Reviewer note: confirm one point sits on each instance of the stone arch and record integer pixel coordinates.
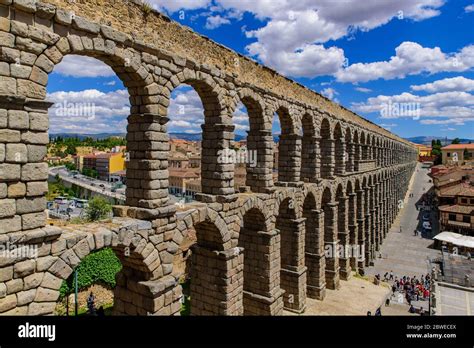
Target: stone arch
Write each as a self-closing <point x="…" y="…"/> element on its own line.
<point x="310" y="150"/>
<point x="259" y="141"/>
<point x="350" y="149"/>
<point x="339" y="150"/>
<point x="329" y="206"/>
<point x="363" y="145"/>
<point x="261" y="266"/>
<point x="326" y="146"/>
<point x="293" y="272"/>
<point x="314" y="247"/>
<point x="217" y="176"/>
<point x="289" y="147"/>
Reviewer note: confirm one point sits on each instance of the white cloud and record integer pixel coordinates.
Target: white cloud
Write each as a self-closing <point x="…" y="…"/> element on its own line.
<point x="176" y="5"/>
<point x="329" y="92"/>
<point x="452" y="105"/>
<point x="410" y="59"/>
<point x="110" y="83"/>
<point x="458" y="83"/>
<point x="363" y="89"/>
<point x="214" y="22"/>
<point x="89" y="111"/>
<point x="469" y="8"/>
<point x="82" y="66"/>
<point x="291" y="41"/>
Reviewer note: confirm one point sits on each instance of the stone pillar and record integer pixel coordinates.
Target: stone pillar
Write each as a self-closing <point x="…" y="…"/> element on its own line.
<point x="368" y="227"/>
<point x="23" y="173"/>
<point x="310" y="161"/>
<point x="361" y="228"/>
<point x="293" y="269"/>
<point x="147" y="166"/>
<point x="340" y="156"/>
<point x="289" y="158"/>
<point x="217" y="176"/>
<point x="217" y="281"/>
<point x="351" y="151"/>
<point x="262" y="292"/>
<point x="260" y="177"/>
<point x="343" y="236"/>
<point x="327" y="159"/>
<point x="314" y="256"/>
<point x="330" y="244"/>
<point x="154" y="297"/>
<point x="353" y="230"/>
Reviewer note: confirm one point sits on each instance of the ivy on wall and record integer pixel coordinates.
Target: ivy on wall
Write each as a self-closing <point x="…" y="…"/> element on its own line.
<point x="98" y="267"/>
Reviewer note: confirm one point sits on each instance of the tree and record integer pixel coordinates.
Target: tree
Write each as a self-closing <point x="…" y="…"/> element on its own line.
<point x="456" y="141"/>
<point x="99" y="208"/>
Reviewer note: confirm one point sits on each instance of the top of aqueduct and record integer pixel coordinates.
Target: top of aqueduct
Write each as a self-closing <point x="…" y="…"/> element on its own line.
<point x="151" y="29"/>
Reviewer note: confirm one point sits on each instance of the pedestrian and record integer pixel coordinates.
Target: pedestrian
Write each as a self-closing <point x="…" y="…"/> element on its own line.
<point x="378" y="312"/>
<point x="422" y="311"/>
<point x="391" y="275"/>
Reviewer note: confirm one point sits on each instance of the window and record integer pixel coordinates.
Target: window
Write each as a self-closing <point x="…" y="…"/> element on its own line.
<point x="464" y="200"/>
<point x="466" y="218"/>
<point x="448" y="154"/>
<point x="472" y="200"/>
<point x="452" y="217"/>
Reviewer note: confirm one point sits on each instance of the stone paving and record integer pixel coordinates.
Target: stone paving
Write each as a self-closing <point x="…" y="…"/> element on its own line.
<point x="454" y="301"/>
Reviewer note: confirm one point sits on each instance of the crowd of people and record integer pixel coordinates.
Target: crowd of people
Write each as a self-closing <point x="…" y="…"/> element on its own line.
<point x="413" y="289"/>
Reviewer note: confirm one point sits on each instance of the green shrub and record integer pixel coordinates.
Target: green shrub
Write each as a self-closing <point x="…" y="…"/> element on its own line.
<point x="98" y="267"/>
<point x="99" y="208"/>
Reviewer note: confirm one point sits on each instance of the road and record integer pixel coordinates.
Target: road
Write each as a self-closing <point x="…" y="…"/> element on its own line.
<point x="403" y="252"/>
<point x="90" y="184"/>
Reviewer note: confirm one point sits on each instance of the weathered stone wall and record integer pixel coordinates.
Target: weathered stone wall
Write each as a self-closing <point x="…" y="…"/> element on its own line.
<point x="338" y="155"/>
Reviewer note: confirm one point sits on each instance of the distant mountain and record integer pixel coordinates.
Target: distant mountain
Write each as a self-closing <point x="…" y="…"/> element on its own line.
<point x="98" y="136"/>
<point x="198" y="136"/>
<point x="426" y="140"/>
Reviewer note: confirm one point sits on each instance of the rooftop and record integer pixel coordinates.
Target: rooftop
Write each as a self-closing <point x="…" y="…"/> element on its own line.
<point x="458" y="147"/>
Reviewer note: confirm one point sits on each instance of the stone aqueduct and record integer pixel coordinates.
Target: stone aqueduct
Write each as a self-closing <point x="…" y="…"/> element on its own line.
<point x="258" y="251"/>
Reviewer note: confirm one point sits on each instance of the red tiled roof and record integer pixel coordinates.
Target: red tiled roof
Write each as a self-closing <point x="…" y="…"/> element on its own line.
<point x="458" y="147"/>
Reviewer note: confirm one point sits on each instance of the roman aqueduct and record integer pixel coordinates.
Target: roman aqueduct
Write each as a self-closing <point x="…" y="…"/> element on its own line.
<point x="258" y="251"/>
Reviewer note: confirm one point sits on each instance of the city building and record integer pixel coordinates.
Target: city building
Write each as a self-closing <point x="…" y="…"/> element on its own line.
<point x="454" y="189"/>
<point x="424" y="153"/>
<point x="178" y="160"/>
<point x="179" y="177"/>
<point x="84" y="150"/>
<point x="457" y="154"/>
<point x="109" y="163"/>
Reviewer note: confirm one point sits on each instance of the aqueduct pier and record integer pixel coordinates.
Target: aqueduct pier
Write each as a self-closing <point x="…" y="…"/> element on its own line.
<point x="340" y="177"/>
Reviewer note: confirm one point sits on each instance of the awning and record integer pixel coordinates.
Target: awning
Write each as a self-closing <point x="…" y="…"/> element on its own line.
<point x="456" y="239"/>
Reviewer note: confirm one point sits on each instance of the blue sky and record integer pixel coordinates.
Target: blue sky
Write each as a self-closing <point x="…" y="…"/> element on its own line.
<point x="407" y="65"/>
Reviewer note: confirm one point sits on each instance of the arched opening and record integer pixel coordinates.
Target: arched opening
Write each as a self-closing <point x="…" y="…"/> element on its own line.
<point x="340" y="150"/>
<point x="194" y="103"/>
<point x="350" y="150"/>
<point x="326" y="147"/>
<point x="309" y="150"/>
<point x="360" y="225"/>
<point x="314" y="248"/>
<point x="287" y="158"/>
<point x="262" y="295"/>
<point x="363" y="146"/>
<point x="216" y="275"/>
<point x="329" y="206"/>
<point x="288" y="226"/>
<point x="343" y="232"/>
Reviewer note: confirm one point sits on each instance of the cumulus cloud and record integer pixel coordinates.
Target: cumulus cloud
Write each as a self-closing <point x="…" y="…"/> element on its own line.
<point x="329" y="92"/>
<point x="458" y="83"/>
<point x="172" y="6"/>
<point x="452" y="105"/>
<point x="82" y="66"/>
<point x="292" y="39"/>
<point x="469" y="8"/>
<point x="410" y="59"/>
<point x="89" y="111"/>
<point x="214" y="22"/>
